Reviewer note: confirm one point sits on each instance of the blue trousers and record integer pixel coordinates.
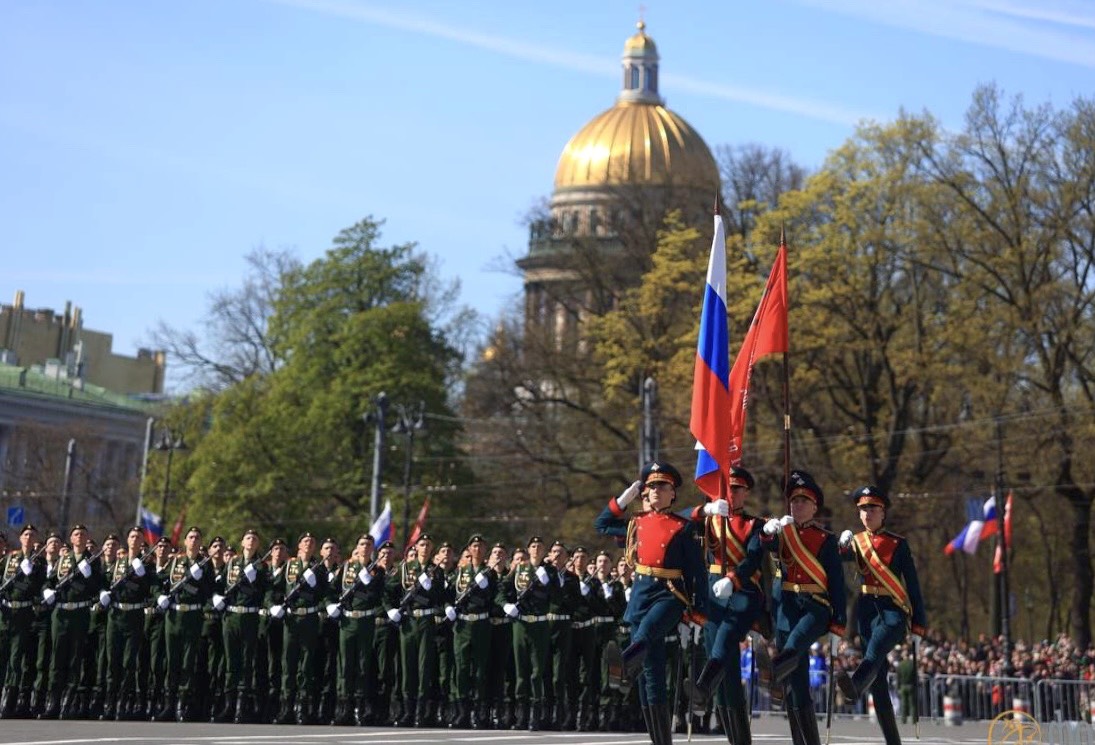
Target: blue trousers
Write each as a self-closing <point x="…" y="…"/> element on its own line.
<point x="656" y="623"/>
<point x="799" y="623"/>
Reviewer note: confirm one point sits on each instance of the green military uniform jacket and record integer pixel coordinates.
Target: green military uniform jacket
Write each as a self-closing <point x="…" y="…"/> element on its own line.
<point x="241" y="592"/>
<point x="304" y="595"/>
<point x="131" y="591"/>
<point x="21" y="590"/>
<point x="70" y="583"/>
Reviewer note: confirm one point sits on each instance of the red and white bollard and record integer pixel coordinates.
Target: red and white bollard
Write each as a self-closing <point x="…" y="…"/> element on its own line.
<point x="952" y="711"/>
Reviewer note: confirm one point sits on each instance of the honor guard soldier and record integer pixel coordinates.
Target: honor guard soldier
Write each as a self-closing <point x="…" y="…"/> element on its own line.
<point x="445" y="560"/>
<point x="306" y="588"/>
<point x="241" y="601"/>
<point x="608" y="603"/>
<point x="500" y="659"/>
<point x="812" y="600"/>
<point x="209" y="692"/>
<point x="585" y="667"/>
<point x="154" y="653"/>
<point x="71" y="592"/>
<point x="183" y="601"/>
<point x="43" y="621"/>
<point x="669" y="579"/>
<point x="22" y="574"/>
<point x="889" y="603"/>
<point x="358" y="604"/>
<point x="330" y="557"/>
<point x="129" y="584"/>
<point x="386" y="638"/>
<point x="271" y="629"/>
<point x="476" y="586"/>
<point x="564" y="598"/>
<point x="735" y="602"/>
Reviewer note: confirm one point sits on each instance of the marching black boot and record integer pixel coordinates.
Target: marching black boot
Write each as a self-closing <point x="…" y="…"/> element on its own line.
<point x="183" y="707"/>
<point x="227" y="711"/>
<point x="242" y="714"/>
<point x="648" y="721"/>
<point x="462" y="719"/>
<point x="304" y="709"/>
<point x="52" y="708"/>
<point x="8" y="698"/>
<point x="482" y="720"/>
<point x="855" y="685"/>
<point x="110" y="708"/>
<point x="344" y="714"/>
<point x="887" y="722"/>
<point x="807" y="726"/>
<point x="608" y="718"/>
<point x="520" y="722"/>
<point x="287" y="715"/>
<point x="506" y="716"/>
<point x="535" y="717"/>
<point x="166" y="712"/>
<point x="739" y="728"/>
<point x="568" y="720"/>
<point x="68" y="705"/>
<point x="699" y="692"/>
<point x="24" y="708"/>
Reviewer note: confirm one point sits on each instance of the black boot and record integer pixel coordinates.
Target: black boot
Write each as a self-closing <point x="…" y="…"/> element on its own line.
<point x="228" y="711"/>
<point x="406" y="716"/>
<point x="244" y="706"/>
<point x="855" y="685"/>
<point x="304" y="709"/>
<point x="344" y="714"/>
<point x="166" y="712"/>
<point x="535" y="717"/>
<point x="887" y="722"/>
<point x="152" y="705"/>
<point x="568" y="719"/>
<point x="661" y="726"/>
<point x="183" y="708"/>
<point x="700" y="691"/>
<point x="520" y="722"/>
<point x="482" y="718"/>
<point x="807" y="726"/>
<point x="52" y="709"/>
<point x="462" y="719"/>
<point x="608" y="718"/>
<point x="110" y="709"/>
<point x="287" y="714"/>
<point x="68" y="705"/>
<point x="738" y="730"/>
<point x="506" y="717"/>
<point x="8" y="699"/>
<point x="24" y="708"/>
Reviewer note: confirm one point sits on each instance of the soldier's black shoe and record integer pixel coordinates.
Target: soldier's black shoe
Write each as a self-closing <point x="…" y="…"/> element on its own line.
<point x="68" y="706"/>
<point x="24" y="708"/>
<point x="228" y="711"/>
<point x="304" y="711"/>
<point x="520" y="721"/>
<point x="52" y="708"/>
<point x="698" y="693"/>
<point x="807" y="726"/>
<point x="166" y="713"/>
<point x="110" y="709"/>
<point x="462" y="718"/>
<point x="406" y="715"/>
<point x="505" y="716"/>
<point x="535" y="722"/>
<point x="846" y="686"/>
<point x="286" y="715"/>
<point x="8" y="699"/>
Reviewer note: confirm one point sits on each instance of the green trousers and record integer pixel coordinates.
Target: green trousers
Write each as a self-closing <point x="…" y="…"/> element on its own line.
<point x="531" y="641"/>
<point x="69" y="632"/>
<point x="471" y="648"/>
<point x="418" y="657"/>
<point x="124" y="637"/>
<point x="298" y="655"/>
<point x="241" y="641"/>
<point x="182" y="631"/>
<point x="21" y="648"/>
<point x="355" y="657"/>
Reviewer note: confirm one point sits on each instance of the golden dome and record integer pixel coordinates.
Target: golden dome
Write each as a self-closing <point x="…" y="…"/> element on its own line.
<point x="640" y="42"/>
<point x="636" y="144"/>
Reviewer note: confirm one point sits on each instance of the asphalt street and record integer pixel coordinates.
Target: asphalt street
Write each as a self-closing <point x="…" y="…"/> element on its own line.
<point x="766" y="731"/>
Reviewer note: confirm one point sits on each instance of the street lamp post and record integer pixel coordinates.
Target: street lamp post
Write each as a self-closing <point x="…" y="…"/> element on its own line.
<point x="377" y="417"/>
<point x="408" y="421"/>
<point x="168" y="442"/>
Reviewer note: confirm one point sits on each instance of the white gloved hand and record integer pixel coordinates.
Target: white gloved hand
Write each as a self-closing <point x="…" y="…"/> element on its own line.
<point x="719" y="508"/>
<point x="915" y="638"/>
<point x="250" y="572"/>
<point x="196" y="571"/>
<point x="627" y="594"/>
<point x="846" y="539"/>
<point x="510" y="609"/>
<point x="583" y="586"/>
<point x="542" y="575"/>
<point x="104" y="598"/>
<point x="85" y="568"/>
<point x="684" y="634"/>
<point x="425" y="581"/>
<point x="450" y="613"/>
<point x="629" y="494"/>
<point x="310" y="577"/>
<point x="26" y="567"/>
<point x="772" y="527"/>
<point x="606" y="588"/>
<point x="786" y="520"/>
<point x="365" y="576"/>
<point x="218" y="602"/>
<point x="482" y="581"/>
<point x="334" y="610"/>
<point x="394" y="615"/>
<point x="562" y="579"/>
<point x="138" y="567"/>
<point x="723" y="588"/>
<point x="48" y="596"/>
<point x="163" y="601"/>
<point x="277" y="611"/>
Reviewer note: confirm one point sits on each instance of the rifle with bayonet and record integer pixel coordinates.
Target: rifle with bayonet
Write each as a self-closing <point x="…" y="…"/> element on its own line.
<point x="32" y="558"/>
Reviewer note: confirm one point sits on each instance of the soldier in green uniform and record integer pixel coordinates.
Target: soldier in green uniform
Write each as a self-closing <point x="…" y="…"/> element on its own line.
<point x="22" y="575"/>
<point x="242" y="599"/>
<point x="499" y="672"/>
<point x="191" y="586"/>
<point x="607" y="600"/>
<point x="272" y="631"/>
<point x="43" y="620"/>
<point x="71" y="591"/>
<point x="306" y="588"/>
<point x="585" y="668"/>
<point x="445" y="559"/>
<point x="354" y="611"/>
<point x="92" y="690"/>
<point x="476" y="587"/>
<point x="129" y="582"/>
<point x="525" y="595"/>
<point x="330" y="556"/>
<point x="153" y="655"/>
<point x="422" y="584"/>
<point x="208" y="695"/>
<point x="564" y="597"/>
<point x="385" y="639"/>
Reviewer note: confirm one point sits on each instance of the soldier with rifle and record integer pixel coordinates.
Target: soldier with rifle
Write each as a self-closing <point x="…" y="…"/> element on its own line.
<point x="153" y="656"/>
<point x="889" y="604"/>
<point x="130" y="583"/>
<point x="22" y="573"/>
<point x="498" y="672"/>
<point x="271" y="632"/>
<point x="476" y="586"/>
<point x="330" y="558"/>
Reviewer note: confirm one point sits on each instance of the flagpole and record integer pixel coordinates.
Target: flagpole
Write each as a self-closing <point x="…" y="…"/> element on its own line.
<point x="786" y="384"/>
<point x="1001" y="506"/>
<point x="724" y="480"/>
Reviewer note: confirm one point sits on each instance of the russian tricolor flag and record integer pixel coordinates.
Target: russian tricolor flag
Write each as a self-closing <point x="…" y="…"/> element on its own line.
<point x="382" y="528"/>
<point x="710" y="420"/>
<point x="152" y="525"/>
<point x="981" y="527"/>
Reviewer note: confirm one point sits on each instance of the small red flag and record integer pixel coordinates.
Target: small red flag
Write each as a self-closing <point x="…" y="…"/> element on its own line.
<point x="176" y="532"/>
<point x="998" y="559"/>
<point x="419" y="524"/>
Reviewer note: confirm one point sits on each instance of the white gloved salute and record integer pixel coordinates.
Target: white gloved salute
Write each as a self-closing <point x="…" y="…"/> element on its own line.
<point x="277" y="611"/>
<point x="481" y="581"/>
<point x="394" y="615"/>
<point x="627" y="594"/>
<point x="196" y="571"/>
<point x="772" y="527"/>
<point x="365" y="576"/>
<point x="723" y="588"/>
<point x="583" y="586"/>
<point x="684" y="634"/>
<point x="606" y="588"/>
<point x="510" y="609"/>
<point x="138" y="567"/>
<point x="48" y="595"/>
<point x="450" y="613"/>
<point x="334" y="610"/>
<point x="629" y="494"/>
<point x="542" y="575"/>
<point x="85" y="568"/>
<point x="786" y="520"/>
<point x="163" y="602"/>
<point x="104" y="598"/>
<point x="717" y="508"/>
<point x="250" y="573"/>
<point x="218" y="602"/>
<point x="26" y="567"/>
<point x="425" y="581"/>
<point x="310" y="577"/>
<point x="846" y="539"/>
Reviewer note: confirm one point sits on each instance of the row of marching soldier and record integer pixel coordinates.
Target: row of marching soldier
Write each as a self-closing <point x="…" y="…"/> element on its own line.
<point x="704" y="565"/>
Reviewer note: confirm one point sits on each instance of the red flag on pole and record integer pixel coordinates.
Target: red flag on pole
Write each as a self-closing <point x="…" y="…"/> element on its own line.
<point x="1005" y="541"/>
<point x="419" y="524"/>
<point x="767" y="335"/>
<point x="176" y="532"/>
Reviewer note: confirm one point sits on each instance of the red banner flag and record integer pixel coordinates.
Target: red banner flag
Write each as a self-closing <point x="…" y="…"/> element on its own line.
<point x="419" y="524"/>
<point x="176" y="532"/>
<point x="1005" y="541"/>
<point x="767" y="335"/>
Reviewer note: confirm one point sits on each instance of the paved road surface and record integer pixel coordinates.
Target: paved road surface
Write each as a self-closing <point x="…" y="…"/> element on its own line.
<point x="766" y="731"/>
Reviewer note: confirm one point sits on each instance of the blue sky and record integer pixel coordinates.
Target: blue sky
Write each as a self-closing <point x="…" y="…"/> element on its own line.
<point x="145" y="148"/>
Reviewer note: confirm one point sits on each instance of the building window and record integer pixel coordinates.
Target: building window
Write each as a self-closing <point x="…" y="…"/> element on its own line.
<point x="633" y="82"/>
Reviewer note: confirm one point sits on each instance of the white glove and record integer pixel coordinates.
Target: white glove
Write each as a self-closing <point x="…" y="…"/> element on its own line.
<point x="138" y="567"/>
<point x="915" y="638"/>
<point x="684" y="634"/>
<point x="250" y="573"/>
<point x="365" y="576"/>
<point x="310" y="577"/>
<point x="163" y="601"/>
<point x="584" y="587"/>
<point x="629" y="494"/>
<point x="196" y="571"/>
<point x="627" y="594"/>
<point x="334" y="610"/>
<point x="845" y="539"/>
<point x="104" y="598"/>
<point x="450" y="613"/>
<point x="562" y="579"/>
<point x="277" y="611"/>
<point x="48" y="596"/>
<point x="786" y="520"/>
<point x="542" y="575"/>
<point x="772" y="527"/>
<point x="394" y="615"/>
<point x="218" y="602"/>
<point x="85" y="568"/>
<point x="26" y="567"/>
<point x="606" y="588"/>
<point x="482" y="581"/>
<point x="510" y="610"/>
<point x="724" y="588"/>
<point x="425" y="581"/>
<point x="719" y="507"/>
